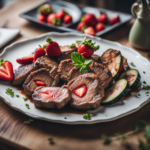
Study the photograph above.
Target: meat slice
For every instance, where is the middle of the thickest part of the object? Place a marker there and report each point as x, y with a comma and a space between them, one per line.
66, 52
95, 58
64, 67
46, 62
87, 91
51, 97
22, 72
43, 75
103, 73
125, 64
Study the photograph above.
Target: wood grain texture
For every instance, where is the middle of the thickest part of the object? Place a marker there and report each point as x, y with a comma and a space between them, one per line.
15, 133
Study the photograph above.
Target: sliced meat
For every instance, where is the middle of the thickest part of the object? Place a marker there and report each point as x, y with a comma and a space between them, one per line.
95, 58
51, 97
87, 91
64, 67
22, 72
42, 75
103, 73
125, 64
66, 52
46, 62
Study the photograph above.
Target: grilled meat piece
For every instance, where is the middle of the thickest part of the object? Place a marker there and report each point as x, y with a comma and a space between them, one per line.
125, 64
46, 62
22, 72
64, 67
95, 58
42, 75
103, 73
66, 52
51, 97
88, 83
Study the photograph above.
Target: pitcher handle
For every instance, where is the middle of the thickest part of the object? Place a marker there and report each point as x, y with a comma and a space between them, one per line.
133, 9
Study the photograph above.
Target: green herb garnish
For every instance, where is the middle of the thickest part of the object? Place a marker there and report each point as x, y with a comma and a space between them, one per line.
65, 117
147, 92
25, 98
89, 43
9, 92
144, 82
144, 72
17, 96
72, 45
51, 140
28, 121
79, 62
137, 95
87, 116
146, 87
132, 64
27, 105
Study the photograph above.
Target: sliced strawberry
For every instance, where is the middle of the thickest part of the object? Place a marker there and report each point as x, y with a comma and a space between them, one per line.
67, 19
114, 19
90, 31
39, 83
47, 93
39, 52
25, 60
6, 70
80, 91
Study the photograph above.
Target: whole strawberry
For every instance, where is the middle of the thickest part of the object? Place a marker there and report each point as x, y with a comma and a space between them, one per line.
99, 27
87, 48
53, 19
103, 18
52, 48
61, 14
39, 52
81, 26
45, 9
67, 19
114, 19
90, 20
6, 70
42, 18
89, 30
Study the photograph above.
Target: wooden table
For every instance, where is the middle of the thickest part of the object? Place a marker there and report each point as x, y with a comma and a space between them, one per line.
13, 131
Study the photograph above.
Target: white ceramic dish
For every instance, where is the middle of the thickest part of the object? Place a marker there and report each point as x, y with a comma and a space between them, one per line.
102, 114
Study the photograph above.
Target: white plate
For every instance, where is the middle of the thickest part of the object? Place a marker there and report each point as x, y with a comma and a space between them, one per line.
102, 114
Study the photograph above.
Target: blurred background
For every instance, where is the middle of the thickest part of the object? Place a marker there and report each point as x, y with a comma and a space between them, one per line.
118, 5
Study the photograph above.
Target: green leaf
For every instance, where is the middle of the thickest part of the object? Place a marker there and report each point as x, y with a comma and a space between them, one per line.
140, 125
87, 116
65, 117
77, 65
82, 69
72, 45
88, 62
2, 61
144, 72
144, 82
9, 92
147, 134
88, 68
49, 40
25, 98
146, 87
27, 105
44, 46
77, 58
132, 64
142, 145
17, 96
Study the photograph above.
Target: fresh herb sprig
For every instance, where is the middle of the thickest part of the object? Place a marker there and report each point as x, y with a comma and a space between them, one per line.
79, 62
27, 105
25, 98
137, 95
87, 116
147, 87
9, 92
132, 64
89, 43
72, 45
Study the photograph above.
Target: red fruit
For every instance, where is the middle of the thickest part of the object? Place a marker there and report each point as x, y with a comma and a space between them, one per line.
61, 14
45, 9
39, 52
25, 60
81, 26
85, 50
90, 20
103, 18
67, 19
99, 27
42, 18
39, 83
53, 19
90, 31
6, 70
52, 48
113, 20
80, 91
47, 93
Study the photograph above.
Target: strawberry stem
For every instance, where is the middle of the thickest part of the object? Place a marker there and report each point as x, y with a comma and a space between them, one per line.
49, 40
2, 61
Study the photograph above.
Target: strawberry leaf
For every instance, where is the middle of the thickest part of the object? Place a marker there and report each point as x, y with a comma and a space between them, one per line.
2, 61
49, 40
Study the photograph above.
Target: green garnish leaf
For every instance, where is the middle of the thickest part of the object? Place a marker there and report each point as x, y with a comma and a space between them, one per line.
27, 105
44, 46
89, 43
140, 125
9, 92
49, 40
2, 61
72, 45
137, 95
87, 116
51, 140
28, 121
25, 98
144, 72
146, 87
144, 82
147, 92
17, 96
148, 54
40, 46
65, 117
106, 139
77, 58
132, 64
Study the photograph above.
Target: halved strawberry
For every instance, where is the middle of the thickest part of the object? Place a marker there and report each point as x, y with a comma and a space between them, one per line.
39, 52
67, 19
6, 70
25, 60
80, 91
42, 18
114, 19
39, 83
90, 31
47, 93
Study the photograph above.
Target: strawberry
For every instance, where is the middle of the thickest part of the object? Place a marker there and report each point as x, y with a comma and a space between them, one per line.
53, 19
67, 19
113, 20
90, 20
47, 93
87, 48
39, 52
99, 27
45, 9
61, 14
121, 69
52, 48
80, 91
39, 83
42, 18
103, 18
81, 26
25, 60
90, 31
6, 70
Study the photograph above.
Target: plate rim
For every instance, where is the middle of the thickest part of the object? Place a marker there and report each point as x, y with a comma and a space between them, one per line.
65, 121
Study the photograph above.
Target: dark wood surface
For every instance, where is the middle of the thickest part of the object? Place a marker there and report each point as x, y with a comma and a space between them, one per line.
13, 131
